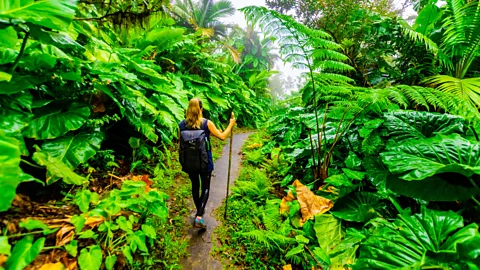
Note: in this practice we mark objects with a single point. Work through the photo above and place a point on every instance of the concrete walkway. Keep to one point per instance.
(200, 244)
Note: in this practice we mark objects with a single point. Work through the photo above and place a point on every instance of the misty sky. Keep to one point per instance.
(239, 19)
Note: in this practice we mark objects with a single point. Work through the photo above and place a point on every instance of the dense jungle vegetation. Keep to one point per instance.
(371, 164)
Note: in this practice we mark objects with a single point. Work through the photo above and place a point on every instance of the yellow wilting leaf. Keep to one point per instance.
(94, 221)
(310, 204)
(3, 259)
(284, 208)
(53, 266)
(65, 235)
(287, 267)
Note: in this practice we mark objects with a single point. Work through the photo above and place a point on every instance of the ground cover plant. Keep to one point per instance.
(369, 178)
(91, 94)
(371, 164)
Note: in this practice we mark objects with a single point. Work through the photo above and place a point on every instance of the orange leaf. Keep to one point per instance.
(53, 266)
(3, 259)
(310, 204)
(65, 235)
(284, 208)
(94, 221)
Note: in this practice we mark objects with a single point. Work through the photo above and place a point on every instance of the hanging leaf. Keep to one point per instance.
(423, 240)
(90, 258)
(24, 252)
(9, 170)
(75, 149)
(51, 122)
(419, 159)
(405, 125)
(358, 207)
(54, 14)
(56, 169)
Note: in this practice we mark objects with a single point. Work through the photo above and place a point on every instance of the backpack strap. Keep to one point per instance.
(205, 124)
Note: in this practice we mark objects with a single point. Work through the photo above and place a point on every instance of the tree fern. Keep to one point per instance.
(303, 47)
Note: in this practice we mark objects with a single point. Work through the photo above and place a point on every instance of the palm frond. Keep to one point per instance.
(466, 89)
(419, 37)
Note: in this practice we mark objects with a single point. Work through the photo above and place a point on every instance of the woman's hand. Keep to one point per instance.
(233, 121)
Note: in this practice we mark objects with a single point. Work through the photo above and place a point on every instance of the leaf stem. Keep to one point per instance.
(22, 50)
(23, 234)
(31, 164)
(475, 200)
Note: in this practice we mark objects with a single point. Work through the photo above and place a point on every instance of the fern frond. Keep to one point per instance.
(419, 37)
(269, 239)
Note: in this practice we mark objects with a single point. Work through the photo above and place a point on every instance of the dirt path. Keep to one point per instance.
(200, 244)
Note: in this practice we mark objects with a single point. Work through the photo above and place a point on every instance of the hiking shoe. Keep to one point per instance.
(199, 223)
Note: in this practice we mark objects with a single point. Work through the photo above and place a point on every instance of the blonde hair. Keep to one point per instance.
(194, 113)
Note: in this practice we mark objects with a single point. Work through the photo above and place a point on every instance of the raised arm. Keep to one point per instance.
(221, 135)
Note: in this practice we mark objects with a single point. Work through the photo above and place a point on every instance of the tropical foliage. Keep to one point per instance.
(91, 95)
(387, 179)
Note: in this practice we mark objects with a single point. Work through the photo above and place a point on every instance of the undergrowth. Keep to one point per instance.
(254, 231)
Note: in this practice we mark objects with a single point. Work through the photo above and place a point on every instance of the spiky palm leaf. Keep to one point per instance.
(467, 89)
(205, 15)
(458, 49)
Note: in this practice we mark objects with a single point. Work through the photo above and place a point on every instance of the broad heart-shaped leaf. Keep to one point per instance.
(54, 14)
(415, 241)
(24, 252)
(74, 149)
(90, 259)
(13, 121)
(51, 122)
(110, 262)
(429, 15)
(443, 187)
(419, 159)
(9, 170)
(353, 161)
(56, 169)
(358, 207)
(404, 125)
(329, 231)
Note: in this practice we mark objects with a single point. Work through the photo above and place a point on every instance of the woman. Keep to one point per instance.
(195, 120)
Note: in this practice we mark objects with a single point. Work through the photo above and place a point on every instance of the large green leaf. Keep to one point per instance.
(359, 207)
(9, 170)
(54, 14)
(90, 259)
(434, 188)
(12, 122)
(24, 252)
(51, 122)
(345, 252)
(404, 125)
(56, 169)
(16, 85)
(419, 159)
(431, 238)
(74, 149)
(429, 15)
(329, 231)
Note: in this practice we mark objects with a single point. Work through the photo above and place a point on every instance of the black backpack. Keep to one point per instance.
(194, 148)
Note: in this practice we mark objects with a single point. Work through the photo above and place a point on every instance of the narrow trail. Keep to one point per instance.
(200, 244)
